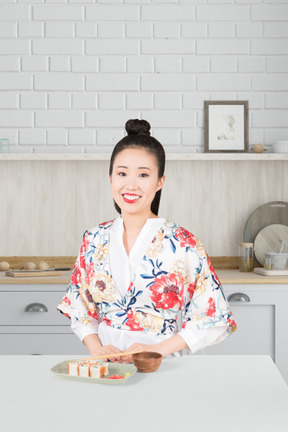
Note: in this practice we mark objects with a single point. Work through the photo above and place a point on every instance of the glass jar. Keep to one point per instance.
(246, 257)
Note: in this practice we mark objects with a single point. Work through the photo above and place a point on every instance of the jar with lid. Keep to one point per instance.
(246, 257)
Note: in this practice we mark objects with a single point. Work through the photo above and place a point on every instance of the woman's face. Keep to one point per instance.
(135, 181)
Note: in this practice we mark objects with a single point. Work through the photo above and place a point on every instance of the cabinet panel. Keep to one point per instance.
(27, 344)
(255, 333)
(12, 309)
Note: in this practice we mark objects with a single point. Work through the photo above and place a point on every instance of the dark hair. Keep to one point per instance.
(139, 136)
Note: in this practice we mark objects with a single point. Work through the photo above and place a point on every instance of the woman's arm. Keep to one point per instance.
(169, 346)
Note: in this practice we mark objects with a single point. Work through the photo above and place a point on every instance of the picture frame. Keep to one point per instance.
(226, 126)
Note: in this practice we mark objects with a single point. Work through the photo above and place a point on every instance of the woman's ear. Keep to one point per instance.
(161, 182)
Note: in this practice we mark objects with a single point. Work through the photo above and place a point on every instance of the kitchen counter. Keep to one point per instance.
(62, 279)
(193, 393)
(237, 277)
(225, 276)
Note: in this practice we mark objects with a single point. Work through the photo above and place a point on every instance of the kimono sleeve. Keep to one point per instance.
(205, 305)
(77, 302)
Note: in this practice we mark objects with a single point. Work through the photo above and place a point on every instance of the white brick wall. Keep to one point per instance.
(72, 72)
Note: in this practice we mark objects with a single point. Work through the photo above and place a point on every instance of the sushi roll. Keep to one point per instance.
(99, 370)
(84, 369)
(88, 368)
(73, 367)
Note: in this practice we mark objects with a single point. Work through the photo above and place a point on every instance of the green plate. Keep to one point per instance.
(61, 369)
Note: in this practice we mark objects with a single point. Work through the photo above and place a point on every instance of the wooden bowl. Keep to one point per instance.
(147, 361)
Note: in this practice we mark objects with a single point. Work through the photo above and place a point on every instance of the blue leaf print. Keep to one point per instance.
(159, 273)
(172, 246)
(188, 304)
(159, 264)
(156, 310)
(223, 295)
(146, 276)
(132, 301)
(120, 314)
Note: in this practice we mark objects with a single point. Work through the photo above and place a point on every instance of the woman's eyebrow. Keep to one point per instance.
(122, 166)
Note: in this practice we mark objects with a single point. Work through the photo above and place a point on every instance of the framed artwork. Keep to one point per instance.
(226, 126)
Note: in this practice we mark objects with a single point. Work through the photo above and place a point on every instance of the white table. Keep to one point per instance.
(192, 393)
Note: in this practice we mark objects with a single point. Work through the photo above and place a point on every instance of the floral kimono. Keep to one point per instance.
(175, 274)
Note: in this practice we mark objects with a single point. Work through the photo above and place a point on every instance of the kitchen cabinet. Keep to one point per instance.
(261, 318)
(260, 313)
(30, 322)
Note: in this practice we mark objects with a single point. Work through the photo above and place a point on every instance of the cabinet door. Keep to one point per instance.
(42, 344)
(255, 333)
(14, 305)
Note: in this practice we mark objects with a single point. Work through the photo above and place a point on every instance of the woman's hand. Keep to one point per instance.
(107, 350)
(139, 347)
(95, 348)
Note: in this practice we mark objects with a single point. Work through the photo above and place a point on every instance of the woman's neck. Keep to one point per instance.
(133, 225)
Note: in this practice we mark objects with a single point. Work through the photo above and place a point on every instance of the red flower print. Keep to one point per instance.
(185, 238)
(167, 291)
(105, 223)
(66, 300)
(232, 323)
(92, 314)
(132, 323)
(76, 276)
(191, 289)
(107, 321)
(211, 308)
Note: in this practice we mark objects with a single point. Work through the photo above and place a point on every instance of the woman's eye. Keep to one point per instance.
(143, 175)
(121, 174)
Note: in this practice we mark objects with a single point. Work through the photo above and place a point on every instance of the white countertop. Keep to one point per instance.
(192, 393)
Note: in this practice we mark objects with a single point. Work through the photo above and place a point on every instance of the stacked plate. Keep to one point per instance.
(267, 227)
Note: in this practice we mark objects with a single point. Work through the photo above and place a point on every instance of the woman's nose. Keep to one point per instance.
(132, 182)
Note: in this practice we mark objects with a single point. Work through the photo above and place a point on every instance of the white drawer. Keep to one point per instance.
(13, 304)
(42, 344)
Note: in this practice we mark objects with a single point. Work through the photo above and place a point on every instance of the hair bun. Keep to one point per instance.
(137, 127)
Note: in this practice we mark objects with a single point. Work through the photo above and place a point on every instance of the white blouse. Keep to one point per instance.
(122, 268)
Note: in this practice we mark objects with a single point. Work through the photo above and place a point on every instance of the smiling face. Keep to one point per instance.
(135, 181)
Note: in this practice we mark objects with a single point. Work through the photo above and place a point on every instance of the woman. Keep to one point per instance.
(135, 273)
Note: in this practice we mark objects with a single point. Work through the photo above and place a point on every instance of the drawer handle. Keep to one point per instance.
(239, 297)
(36, 307)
